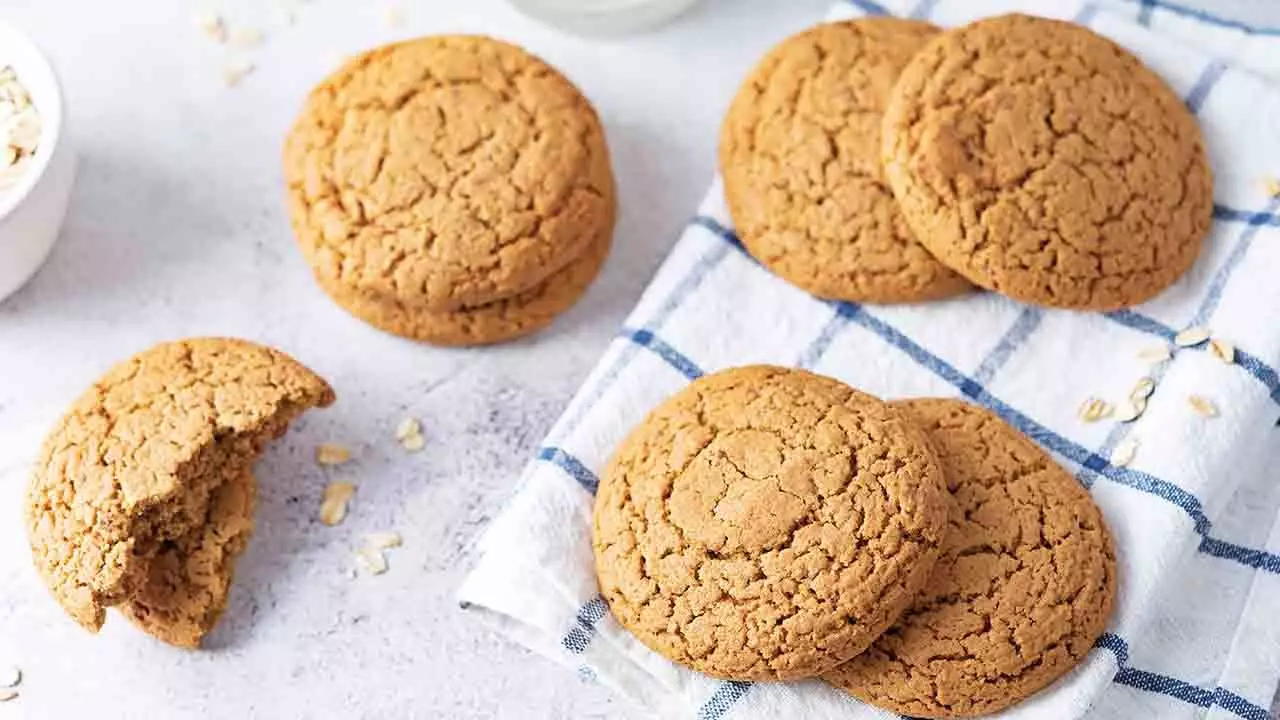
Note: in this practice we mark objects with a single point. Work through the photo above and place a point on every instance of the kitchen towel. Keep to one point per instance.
(1196, 631)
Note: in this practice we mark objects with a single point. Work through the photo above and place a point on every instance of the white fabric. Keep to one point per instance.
(1194, 633)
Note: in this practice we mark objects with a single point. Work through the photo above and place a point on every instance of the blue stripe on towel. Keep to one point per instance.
(584, 626)
(1228, 267)
(1173, 687)
(1210, 18)
(1260, 559)
(572, 466)
(1221, 212)
(722, 699)
(1209, 77)
(869, 7)
(1025, 324)
(674, 358)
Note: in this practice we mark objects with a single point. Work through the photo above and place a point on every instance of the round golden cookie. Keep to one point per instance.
(800, 157)
(1045, 162)
(445, 172)
(506, 319)
(134, 465)
(1024, 587)
(767, 523)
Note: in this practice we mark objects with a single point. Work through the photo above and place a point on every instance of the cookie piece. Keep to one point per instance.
(800, 157)
(767, 523)
(507, 319)
(187, 582)
(1045, 162)
(446, 172)
(132, 466)
(1024, 587)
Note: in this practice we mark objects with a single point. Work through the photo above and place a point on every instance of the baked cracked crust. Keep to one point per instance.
(499, 321)
(446, 172)
(800, 153)
(1024, 587)
(767, 523)
(1045, 162)
(131, 468)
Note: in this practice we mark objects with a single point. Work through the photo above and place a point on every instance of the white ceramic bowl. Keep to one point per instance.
(604, 17)
(31, 212)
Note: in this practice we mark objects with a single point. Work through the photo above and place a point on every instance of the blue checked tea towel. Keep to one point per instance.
(1196, 631)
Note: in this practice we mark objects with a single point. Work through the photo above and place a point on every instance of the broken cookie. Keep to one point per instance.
(135, 486)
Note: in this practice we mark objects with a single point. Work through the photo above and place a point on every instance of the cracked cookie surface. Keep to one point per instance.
(133, 465)
(1024, 586)
(1045, 162)
(446, 171)
(499, 321)
(800, 153)
(767, 523)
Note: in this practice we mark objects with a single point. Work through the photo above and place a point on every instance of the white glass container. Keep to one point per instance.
(604, 17)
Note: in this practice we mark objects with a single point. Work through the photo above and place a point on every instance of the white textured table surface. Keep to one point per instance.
(177, 228)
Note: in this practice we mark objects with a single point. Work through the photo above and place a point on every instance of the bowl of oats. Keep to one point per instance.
(37, 162)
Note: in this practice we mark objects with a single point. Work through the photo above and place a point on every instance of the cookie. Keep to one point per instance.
(446, 172)
(767, 523)
(186, 584)
(800, 157)
(1045, 162)
(507, 319)
(1024, 587)
(131, 468)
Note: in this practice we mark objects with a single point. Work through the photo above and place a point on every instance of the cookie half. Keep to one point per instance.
(446, 172)
(1041, 160)
(188, 581)
(133, 466)
(1024, 587)
(507, 319)
(767, 523)
(800, 153)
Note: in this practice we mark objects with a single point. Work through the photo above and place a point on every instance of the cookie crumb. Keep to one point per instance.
(1155, 355)
(211, 24)
(10, 676)
(333, 505)
(1191, 337)
(236, 71)
(1094, 409)
(1124, 452)
(1131, 410)
(1143, 389)
(246, 37)
(1223, 350)
(7, 694)
(1272, 187)
(393, 16)
(332, 454)
(372, 560)
(383, 540)
(1203, 405)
